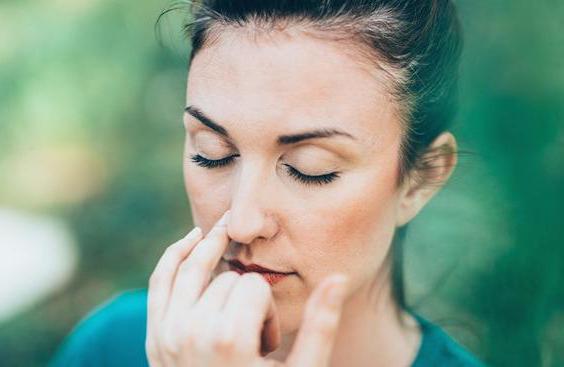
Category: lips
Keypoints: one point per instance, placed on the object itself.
(254, 267)
(271, 276)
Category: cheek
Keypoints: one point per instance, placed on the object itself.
(207, 196)
(348, 232)
(352, 231)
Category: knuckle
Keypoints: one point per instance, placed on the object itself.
(227, 342)
(254, 279)
(171, 342)
(188, 341)
(251, 277)
(169, 347)
(228, 276)
(174, 346)
(224, 343)
(257, 283)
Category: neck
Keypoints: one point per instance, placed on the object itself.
(372, 332)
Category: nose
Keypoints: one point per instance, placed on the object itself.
(251, 204)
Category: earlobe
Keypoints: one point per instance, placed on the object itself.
(427, 177)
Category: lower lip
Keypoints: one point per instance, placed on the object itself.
(271, 278)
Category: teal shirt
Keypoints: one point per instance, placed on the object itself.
(113, 334)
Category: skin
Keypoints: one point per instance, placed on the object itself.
(258, 89)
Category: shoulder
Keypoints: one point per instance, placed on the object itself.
(111, 334)
(440, 349)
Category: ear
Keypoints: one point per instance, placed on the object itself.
(427, 177)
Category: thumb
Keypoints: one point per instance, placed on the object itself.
(314, 343)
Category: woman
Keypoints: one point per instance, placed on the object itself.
(322, 128)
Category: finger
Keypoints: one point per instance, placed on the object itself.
(270, 336)
(251, 313)
(206, 314)
(314, 343)
(216, 294)
(160, 284)
(195, 271)
(162, 278)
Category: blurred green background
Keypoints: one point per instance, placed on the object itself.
(90, 162)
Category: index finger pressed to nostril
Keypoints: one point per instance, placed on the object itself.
(220, 227)
(195, 271)
(212, 246)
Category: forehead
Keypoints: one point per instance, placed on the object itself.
(289, 83)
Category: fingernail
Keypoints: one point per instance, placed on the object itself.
(224, 218)
(196, 231)
(336, 292)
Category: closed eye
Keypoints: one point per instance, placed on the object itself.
(300, 177)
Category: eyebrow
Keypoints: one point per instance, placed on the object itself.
(282, 139)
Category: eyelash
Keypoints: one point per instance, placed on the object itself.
(304, 179)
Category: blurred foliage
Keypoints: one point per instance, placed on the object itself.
(90, 131)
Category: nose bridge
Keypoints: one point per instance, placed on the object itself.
(250, 217)
(247, 186)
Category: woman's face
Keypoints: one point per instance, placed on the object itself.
(259, 91)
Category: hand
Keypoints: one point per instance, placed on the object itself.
(231, 321)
